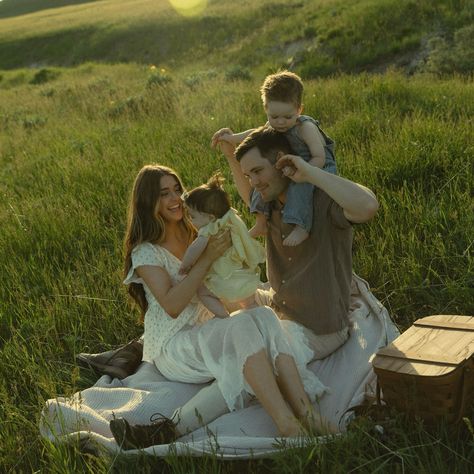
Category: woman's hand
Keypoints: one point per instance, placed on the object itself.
(217, 245)
(294, 167)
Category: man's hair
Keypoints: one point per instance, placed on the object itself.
(284, 86)
(268, 141)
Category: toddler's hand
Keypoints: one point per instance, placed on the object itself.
(294, 167)
(222, 135)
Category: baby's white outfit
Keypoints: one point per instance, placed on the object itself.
(194, 348)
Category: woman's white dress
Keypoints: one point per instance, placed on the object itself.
(196, 348)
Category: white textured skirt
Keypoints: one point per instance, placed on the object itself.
(219, 348)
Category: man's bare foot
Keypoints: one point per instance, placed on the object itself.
(296, 236)
(260, 227)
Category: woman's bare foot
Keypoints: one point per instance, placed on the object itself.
(296, 236)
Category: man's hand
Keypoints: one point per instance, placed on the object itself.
(224, 135)
(227, 149)
(294, 167)
(358, 202)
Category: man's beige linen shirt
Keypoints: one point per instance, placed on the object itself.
(312, 281)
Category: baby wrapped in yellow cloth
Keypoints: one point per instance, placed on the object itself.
(235, 276)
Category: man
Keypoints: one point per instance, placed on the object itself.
(310, 283)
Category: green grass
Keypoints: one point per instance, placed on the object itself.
(70, 149)
(14, 8)
(73, 138)
(321, 37)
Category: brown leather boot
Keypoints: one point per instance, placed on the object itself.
(160, 431)
(118, 363)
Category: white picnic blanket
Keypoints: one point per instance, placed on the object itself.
(242, 434)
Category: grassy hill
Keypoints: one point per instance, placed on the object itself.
(13, 8)
(319, 37)
(91, 91)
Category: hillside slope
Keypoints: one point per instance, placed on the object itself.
(318, 37)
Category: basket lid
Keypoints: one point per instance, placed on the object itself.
(433, 346)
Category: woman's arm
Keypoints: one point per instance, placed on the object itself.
(193, 252)
(358, 202)
(175, 298)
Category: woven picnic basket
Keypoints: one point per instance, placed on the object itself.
(428, 371)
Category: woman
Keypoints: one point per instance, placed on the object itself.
(243, 353)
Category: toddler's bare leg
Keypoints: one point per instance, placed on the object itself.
(211, 302)
(260, 227)
(296, 236)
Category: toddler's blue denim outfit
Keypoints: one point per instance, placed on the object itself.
(298, 207)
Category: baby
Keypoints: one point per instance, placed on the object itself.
(282, 100)
(234, 277)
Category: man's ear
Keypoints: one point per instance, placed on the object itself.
(300, 111)
(278, 156)
(275, 157)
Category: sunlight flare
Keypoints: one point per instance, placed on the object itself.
(189, 7)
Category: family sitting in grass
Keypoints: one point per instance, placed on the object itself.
(185, 249)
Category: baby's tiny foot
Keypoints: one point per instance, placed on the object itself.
(258, 230)
(296, 236)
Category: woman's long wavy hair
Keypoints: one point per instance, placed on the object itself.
(144, 224)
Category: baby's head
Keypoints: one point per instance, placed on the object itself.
(282, 95)
(207, 202)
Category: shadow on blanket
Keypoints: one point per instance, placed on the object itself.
(241, 434)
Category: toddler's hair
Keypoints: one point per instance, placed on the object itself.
(210, 197)
(284, 86)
